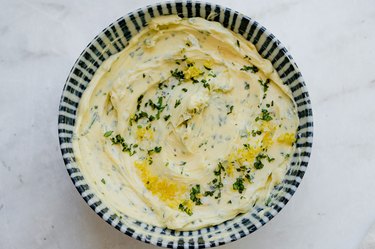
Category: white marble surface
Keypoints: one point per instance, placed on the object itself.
(333, 44)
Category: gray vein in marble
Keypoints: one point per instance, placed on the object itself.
(278, 8)
(6, 166)
(52, 5)
(20, 178)
(346, 91)
(52, 10)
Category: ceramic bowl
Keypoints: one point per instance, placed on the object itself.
(115, 38)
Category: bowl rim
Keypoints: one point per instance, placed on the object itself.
(103, 213)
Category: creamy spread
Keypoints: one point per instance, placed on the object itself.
(185, 128)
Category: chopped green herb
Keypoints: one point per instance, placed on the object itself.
(238, 44)
(195, 81)
(130, 89)
(249, 178)
(178, 102)
(258, 164)
(203, 143)
(252, 69)
(159, 107)
(238, 185)
(142, 114)
(108, 133)
(194, 193)
(184, 208)
(205, 84)
(241, 168)
(138, 116)
(139, 101)
(230, 107)
(247, 86)
(265, 116)
(118, 139)
(185, 123)
(212, 74)
(154, 150)
(151, 118)
(219, 169)
(178, 74)
(166, 117)
(255, 133)
(206, 67)
(184, 89)
(264, 84)
(102, 180)
(270, 159)
(152, 104)
(217, 183)
(160, 85)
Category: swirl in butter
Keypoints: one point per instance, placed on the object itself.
(185, 128)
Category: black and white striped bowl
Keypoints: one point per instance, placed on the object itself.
(115, 38)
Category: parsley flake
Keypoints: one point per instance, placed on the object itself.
(184, 208)
(258, 164)
(118, 139)
(154, 150)
(264, 84)
(178, 102)
(230, 107)
(178, 74)
(265, 116)
(252, 69)
(217, 183)
(238, 185)
(108, 133)
(247, 86)
(195, 193)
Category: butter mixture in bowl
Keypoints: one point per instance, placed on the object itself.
(186, 127)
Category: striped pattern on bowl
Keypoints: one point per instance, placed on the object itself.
(115, 38)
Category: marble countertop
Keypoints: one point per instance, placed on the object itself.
(333, 44)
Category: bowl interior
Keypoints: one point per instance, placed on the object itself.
(115, 38)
